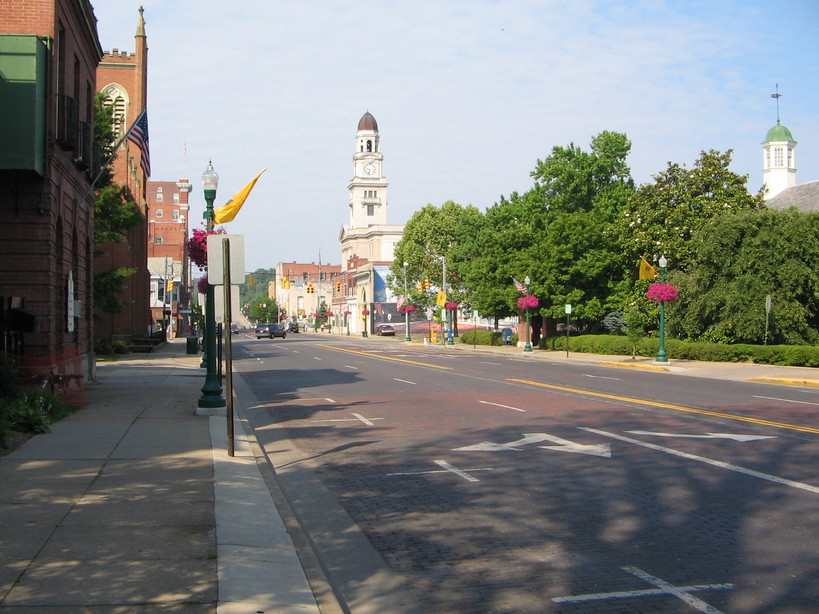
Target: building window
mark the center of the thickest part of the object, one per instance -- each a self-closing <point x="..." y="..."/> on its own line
<point x="304" y="275"/>
<point x="159" y="197"/>
<point x="158" y="240"/>
<point x="176" y="198"/>
<point x="159" y="213"/>
<point x="779" y="158"/>
<point x="175" y="214"/>
<point x="370" y="210"/>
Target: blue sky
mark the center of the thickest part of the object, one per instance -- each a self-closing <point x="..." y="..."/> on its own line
<point x="467" y="95"/>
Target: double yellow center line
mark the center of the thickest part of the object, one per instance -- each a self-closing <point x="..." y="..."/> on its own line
<point x="371" y="355"/>
<point x="691" y="410"/>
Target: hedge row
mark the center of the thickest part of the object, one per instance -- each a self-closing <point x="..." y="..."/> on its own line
<point x="486" y="337"/>
<point x="788" y="355"/>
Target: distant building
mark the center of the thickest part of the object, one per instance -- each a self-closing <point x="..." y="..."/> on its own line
<point x="49" y="53"/>
<point x="300" y="289"/>
<point x="123" y="78"/>
<point x="367" y="242"/>
<point x="170" y="289"/>
<point x="779" y="173"/>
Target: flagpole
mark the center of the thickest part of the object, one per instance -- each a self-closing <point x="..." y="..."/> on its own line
<point x="111" y="157"/>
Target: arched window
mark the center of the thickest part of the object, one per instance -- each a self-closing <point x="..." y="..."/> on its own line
<point x="117" y="97"/>
<point x="369" y="145"/>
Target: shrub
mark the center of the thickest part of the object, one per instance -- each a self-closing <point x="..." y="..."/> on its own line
<point x="483" y="337"/>
<point x="8" y="379"/>
<point x="788" y="355"/>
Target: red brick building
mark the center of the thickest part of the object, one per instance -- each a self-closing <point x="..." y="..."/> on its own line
<point x="49" y="51"/>
<point x="123" y="78"/>
<point x="168" y="210"/>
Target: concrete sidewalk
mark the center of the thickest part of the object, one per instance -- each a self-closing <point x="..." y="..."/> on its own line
<point x="133" y="505"/>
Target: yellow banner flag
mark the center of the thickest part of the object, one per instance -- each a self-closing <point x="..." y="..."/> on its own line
<point x="228" y="211"/>
<point x="646" y="270"/>
<point x="440" y="300"/>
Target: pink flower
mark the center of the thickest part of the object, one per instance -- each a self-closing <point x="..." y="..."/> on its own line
<point x="530" y="301"/>
<point x="662" y="292"/>
<point x="198" y="245"/>
<point x="450" y="306"/>
<point x="408" y="309"/>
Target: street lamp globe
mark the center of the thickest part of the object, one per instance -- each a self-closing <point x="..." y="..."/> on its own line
<point x="210" y="179"/>
<point x="663" y="261"/>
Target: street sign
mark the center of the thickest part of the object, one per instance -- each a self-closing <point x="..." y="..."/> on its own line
<point x="216" y="259"/>
<point x="568" y="309"/>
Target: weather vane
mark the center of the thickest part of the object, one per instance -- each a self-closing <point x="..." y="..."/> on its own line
<point x="777" y="96"/>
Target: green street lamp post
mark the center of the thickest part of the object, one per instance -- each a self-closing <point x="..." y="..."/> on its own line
<point x="528" y="346"/>
<point x="407" y="338"/>
<point x="661" y="355"/>
<point x="212" y="390"/>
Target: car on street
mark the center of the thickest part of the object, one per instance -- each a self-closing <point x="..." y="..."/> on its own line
<point x="384" y="330"/>
<point x="270" y="331"/>
<point x="293" y="327"/>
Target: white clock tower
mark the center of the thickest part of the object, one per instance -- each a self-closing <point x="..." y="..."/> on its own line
<point x="368" y="187"/>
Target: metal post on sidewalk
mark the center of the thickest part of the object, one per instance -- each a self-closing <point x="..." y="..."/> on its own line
<point x="228" y="352"/>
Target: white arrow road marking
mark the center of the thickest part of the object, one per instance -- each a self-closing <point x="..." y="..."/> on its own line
<point x="663" y="588"/>
<point x="564" y="445"/>
<point x="446" y="468"/>
<point x="702" y="459"/>
<point x="488" y="446"/>
<point x="499" y="405"/>
<point x="734" y="436"/>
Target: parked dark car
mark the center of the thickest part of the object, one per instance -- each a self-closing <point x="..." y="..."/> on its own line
<point x="270" y="331"/>
<point x="293" y="327"/>
<point x="384" y="330"/>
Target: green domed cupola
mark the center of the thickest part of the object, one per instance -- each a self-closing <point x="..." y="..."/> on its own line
<point x="779" y="133"/>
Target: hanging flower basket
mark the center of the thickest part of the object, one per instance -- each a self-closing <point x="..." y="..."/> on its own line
<point x="450" y="305"/>
<point x="365" y="312"/>
<point x="346" y="313"/>
<point x="530" y="301"/>
<point x="202" y="285"/>
<point x="662" y="293"/>
<point x="408" y="309"/>
<point x="198" y="245"/>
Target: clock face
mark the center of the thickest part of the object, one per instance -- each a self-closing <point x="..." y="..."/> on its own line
<point x="369" y="169"/>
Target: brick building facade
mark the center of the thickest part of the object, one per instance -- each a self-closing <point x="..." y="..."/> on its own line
<point x="168" y="219"/>
<point x="49" y="51"/>
<point x="123" y="79"/>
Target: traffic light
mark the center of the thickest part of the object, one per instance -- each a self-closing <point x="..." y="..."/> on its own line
<point x="169" y="285"/>
<point x="426" y="283"/>
<point x="310" y="289"/>
<point x="250" y="279"/>
<point x="338" y="286"/>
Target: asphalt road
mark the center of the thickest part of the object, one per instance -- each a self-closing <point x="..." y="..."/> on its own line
<point x="433" y="480"/>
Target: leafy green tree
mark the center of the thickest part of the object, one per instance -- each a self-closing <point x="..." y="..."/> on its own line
<point x="431" y="234"/>
<point x="114" y="214"/>
<point x="739" y="259"/>
<point x="570" y="255"/>
<point x="261" y="281"/>
<point x="661" y="217"/>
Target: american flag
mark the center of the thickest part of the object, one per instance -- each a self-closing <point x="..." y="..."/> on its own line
<point x="519" y="286"/>
<point x="138" y="135"/>
<point x="400" y="303"/>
